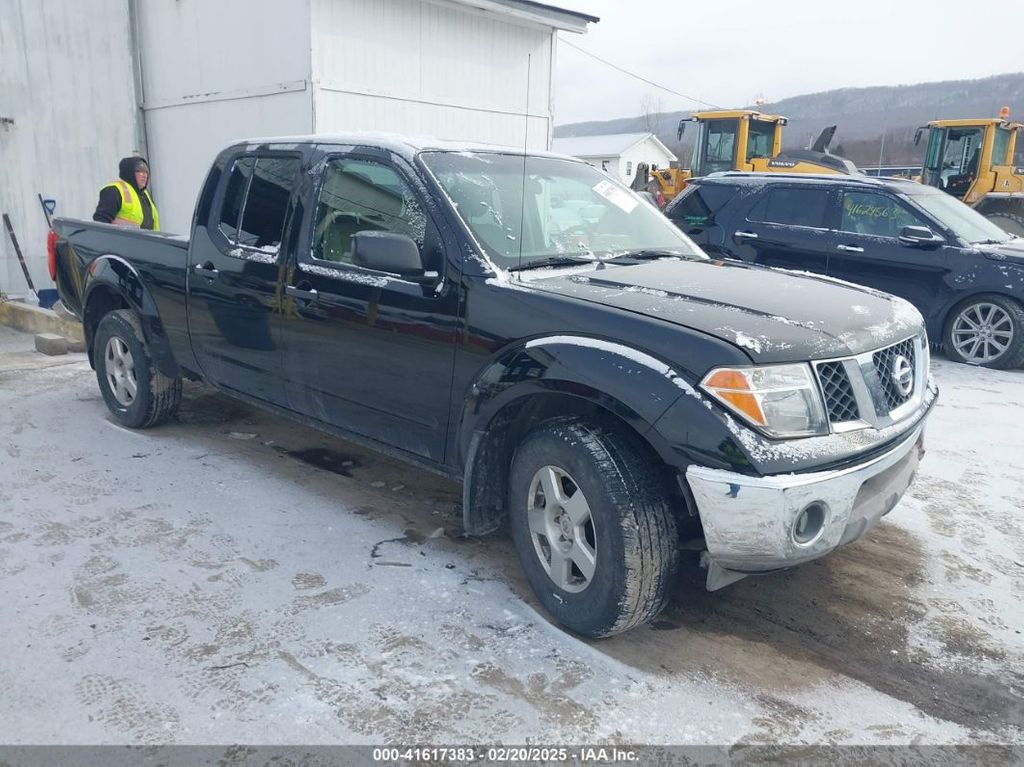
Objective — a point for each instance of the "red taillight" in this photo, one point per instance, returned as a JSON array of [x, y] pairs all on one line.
[[51, 254], [661, 200]]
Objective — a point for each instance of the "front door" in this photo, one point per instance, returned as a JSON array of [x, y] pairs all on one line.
[[367, 351], [866, 249], [237, 259]]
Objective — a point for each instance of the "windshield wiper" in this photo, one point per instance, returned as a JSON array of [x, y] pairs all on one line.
[[647, 254], [552, 261]]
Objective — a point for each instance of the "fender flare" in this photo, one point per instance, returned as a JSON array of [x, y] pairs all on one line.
[[112, 274], [632, 385]]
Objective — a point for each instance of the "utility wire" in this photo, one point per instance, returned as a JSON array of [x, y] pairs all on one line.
[[638, 77]]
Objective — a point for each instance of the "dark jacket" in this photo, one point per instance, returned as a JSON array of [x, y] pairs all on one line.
[[110, 197]]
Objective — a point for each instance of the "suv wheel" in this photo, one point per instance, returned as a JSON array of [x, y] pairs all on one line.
[[136, 392], [986, 330], [592, 526]]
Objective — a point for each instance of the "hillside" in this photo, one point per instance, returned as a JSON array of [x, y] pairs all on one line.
[[862, 114]]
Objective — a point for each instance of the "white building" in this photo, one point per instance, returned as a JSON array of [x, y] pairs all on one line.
[[617, 154], [84, 84]]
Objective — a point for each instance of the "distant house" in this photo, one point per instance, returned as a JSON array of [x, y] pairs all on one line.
[[616, 154]]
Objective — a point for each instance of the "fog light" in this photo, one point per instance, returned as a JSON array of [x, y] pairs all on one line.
[[809, 523]]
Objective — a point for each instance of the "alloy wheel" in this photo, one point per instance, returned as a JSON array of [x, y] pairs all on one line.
[[982, 333], [120, 369], [562, 529]]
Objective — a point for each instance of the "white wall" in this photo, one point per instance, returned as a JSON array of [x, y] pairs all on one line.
[[215, 71], [646, 151], [431, 69], [66, 80]]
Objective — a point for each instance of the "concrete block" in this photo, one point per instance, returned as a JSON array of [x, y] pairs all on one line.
[[76, 345], [32, 319], [51, 343], [62, 312]]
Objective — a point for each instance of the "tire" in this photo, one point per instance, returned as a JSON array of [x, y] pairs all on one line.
[[1012, 223], [623, 525], [136, 392], [986, 330]]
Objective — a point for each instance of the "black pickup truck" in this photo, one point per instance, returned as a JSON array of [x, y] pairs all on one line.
[[530, 328]]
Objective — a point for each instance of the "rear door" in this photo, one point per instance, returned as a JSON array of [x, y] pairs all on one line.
[[696, 213], [786, 226], [236, 264], [865, 248], [367, 351]]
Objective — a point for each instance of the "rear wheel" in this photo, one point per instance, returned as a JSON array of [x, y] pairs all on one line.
[[592, 525], [136, 392], [986, 330]]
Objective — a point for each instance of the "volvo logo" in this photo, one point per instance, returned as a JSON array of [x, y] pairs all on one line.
[[903, 375]]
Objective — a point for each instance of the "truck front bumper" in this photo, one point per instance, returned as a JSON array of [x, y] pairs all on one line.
[[759, 524]]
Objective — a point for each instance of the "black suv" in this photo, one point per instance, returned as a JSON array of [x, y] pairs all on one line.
[[962, 272]]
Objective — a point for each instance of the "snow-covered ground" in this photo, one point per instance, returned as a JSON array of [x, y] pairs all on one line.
[[235, 578]]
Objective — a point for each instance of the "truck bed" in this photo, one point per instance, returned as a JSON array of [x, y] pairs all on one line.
[[161, 254]]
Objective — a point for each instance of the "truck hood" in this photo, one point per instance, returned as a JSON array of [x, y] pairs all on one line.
[[772, 314]]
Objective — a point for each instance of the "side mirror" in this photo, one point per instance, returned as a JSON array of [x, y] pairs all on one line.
[[920, 237], [392, 253], [917, 136]]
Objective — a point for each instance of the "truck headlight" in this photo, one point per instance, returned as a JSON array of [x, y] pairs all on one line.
[[778, 400]]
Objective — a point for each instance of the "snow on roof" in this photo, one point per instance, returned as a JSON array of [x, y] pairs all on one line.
[[612, 145], [402, 145], [537, 12]]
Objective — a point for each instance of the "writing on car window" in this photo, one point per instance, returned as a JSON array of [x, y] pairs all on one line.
[[875, 214]]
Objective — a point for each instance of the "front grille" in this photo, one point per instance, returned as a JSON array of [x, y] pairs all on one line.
[[839, 399], [885, 366]]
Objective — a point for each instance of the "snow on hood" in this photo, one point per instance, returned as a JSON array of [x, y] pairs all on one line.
[[773, 315]]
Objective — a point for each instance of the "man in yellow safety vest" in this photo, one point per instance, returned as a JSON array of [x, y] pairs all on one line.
[[127, 202]]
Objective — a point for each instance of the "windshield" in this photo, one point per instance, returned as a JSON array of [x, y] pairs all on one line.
[[557, 208], [966, 223], [953, 156]]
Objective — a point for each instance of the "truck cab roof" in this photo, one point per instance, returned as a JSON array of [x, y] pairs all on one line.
[[404, 146]]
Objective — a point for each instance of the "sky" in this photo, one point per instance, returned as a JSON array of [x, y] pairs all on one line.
[[731, 52]]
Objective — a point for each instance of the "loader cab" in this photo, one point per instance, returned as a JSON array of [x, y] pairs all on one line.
[[961, 151], [731, 140]]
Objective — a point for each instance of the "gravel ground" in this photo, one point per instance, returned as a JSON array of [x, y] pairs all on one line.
[[232, 577]]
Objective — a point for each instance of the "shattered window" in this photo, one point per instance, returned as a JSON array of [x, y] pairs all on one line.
[[234, 198], [363, 196], [256, 202], [267, 203]]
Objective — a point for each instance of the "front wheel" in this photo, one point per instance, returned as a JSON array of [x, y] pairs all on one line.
[[591, 522], [136, 392], [986, 330]]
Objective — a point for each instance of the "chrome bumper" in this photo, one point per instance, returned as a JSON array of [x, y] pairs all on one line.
[[758, 524]]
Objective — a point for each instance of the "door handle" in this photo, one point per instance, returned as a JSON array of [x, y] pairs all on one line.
[[303, 295], [850, 248], [745, 235], [207, 270]]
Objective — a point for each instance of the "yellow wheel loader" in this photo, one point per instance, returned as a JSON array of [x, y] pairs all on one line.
[[973, 161], [746, 140]]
